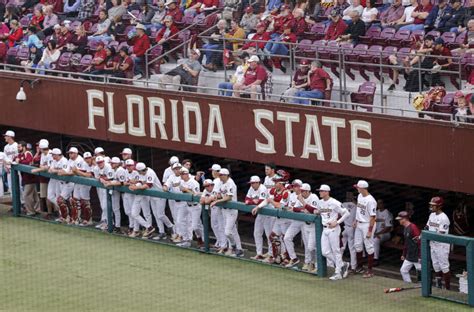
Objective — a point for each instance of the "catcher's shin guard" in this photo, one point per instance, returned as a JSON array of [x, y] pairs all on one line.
[[63, 210], [86, 211], [276, 243], [74, 209]]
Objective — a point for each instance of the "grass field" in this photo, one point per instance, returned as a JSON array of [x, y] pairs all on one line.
[[48, 267]]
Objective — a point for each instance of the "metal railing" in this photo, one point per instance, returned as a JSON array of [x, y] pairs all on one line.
[[278, 213]]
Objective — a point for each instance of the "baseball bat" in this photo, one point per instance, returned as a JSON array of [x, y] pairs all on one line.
[[398, 289]]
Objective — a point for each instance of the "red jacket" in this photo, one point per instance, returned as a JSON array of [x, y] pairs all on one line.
[[15, 36], [26, 159], [172, 31], [335, 30], [260, 45], [299, 27], [176, 14], [140, 45], [282, 21], [37, 21]]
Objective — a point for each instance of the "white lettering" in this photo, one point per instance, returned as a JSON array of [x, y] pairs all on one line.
[[174, 120], [157, 120], [94, 110], [194, 138], [312, 130], [215, 119], [334, 123], [113, 127], [269, 147], [288, 118], [360, 143], [132, 129]]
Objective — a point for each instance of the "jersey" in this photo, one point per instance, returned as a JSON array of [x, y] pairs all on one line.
[[168, 172], [74, 163], [173, 183], [438, 223], [228, 189], [46, 159], [352, 208], [84, 166], [268, 182], [207, 193], [383, 219], [131, 176], [259, 194], [282, 198], [61, 164], [106, 172], [310, 203], [330, 210], [193, 186], [366, 208], [120, 175], [294, 202], [11, 151], [217, 186], [151, 179]]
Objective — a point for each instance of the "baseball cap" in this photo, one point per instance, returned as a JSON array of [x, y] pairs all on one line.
[[87, 155], [324, 188], [253, 58], [458, 94], [285, 7], [129, 162], [99, 159], [73, 150], [98, 150], [439, 41], [361, 184], [297, 182], [173, 160], [43, 143], [437, 201], [57, 26], [176, 165], [140, 26], [215, 167], [254, 179], [140, 166], [306, 187], [401, 215], [127, 151], [249, 9], [56, 151], [304, 62], [224, 171], [9, 133], [170, 1], [184, 170], [208, 182], [115, 160]]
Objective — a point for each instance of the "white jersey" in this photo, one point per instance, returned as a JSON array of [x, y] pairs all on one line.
[[120, 174], [268, 182], [438, 223], [294, 202], [74, 163], [131, 176], [366, 208], [173, 183], [207, 193], [260, 194], [383, 219], [84, 166], [228, 189], [193, 186], [106, 172], [312, 200], [46, 160], [11, 151], [61, 164], [352, 208], [152, 180], [217, 187], [330, 210], [168, 172]]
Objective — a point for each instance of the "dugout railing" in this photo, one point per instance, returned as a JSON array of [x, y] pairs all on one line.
[[315, 219], [426, 274]]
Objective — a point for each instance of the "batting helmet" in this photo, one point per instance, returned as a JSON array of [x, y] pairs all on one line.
[[281, 176], [437, 201]]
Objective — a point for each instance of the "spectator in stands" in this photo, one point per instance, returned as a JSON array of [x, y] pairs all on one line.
[[125, 67], [340, 6], [462, 110], [86, 9], [420, 14], [299, 25], [78, 41], [112, 61], [237, 77], [33, 59], [438, 16], [37, 19], [28, 181], [319, 82], [102, 28], [370, 12], [98, 62], [166, 32], [355, 6], [279, 46], [213, 49], [442, 62], [173, 11], [56, 4], [236, 33], [455, 21], [468, 44], [336, 28], [273, 6], [258, 40], [141, 43], [185, 74], [390, 16], [412, 78], [71, 7], [32, 38], [147, 13], [4, 31], [16, 34], [11, 14], [355, 30], [407, 18], [299, 81], [249, 21], [64, 38], [383, 228], [50, 19], [56, 35], [50, 55], [281, 20], [28, 4], [116, 11], [159, 14], [254, 79], [469, 15]]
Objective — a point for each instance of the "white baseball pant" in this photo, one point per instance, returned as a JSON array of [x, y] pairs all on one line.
[[440, 256], [194, 212], [2, 190], [406, 267], [116, 207], [182, 220], [263, 224], [174, 209], [217, 225], [102, 195], [141, 204], [348, 241], [379, 241], [127, 200], [82, 192], [293, 230], [361, 240], [330, 247], [230, 227], [53, 192], [279, 228], [158, 206], [66, 189], [309, 240]]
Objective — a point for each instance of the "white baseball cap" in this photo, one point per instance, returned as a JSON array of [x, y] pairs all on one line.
[[10, 133], [184, 170], [43, 143], [208, 182], [173, 160], [98, 150], [324, 188], [254, 179], [215, 167], [57, 26], [129, 162], [253, 58], [115, 160], [306, 187], [87, 155], [297, 182], [99, 159], [73, 150], [224, 172], [127, 151], [176, 165], [56, 151], [140, 166], [140, 26], [361, 184]]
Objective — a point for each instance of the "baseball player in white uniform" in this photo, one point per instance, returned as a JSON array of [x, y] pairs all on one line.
[[296, 203], [191, 186], [364, 227], [309, 230], [269, 220], [102, 172], [3, 156], [119, 176], [60, 189], [11, 152], [166, 174], [329, 209], [126, 154], [180, 215], [81, 198], [207, 197], [131, 178], [348, 233], [67, 188], [228, 192], [256, 194], [439, 222], [217, 218], [45, 162], [383, 228]]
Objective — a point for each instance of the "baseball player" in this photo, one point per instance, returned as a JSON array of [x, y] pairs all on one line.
[[411, 250], [256, 194], [45, 162], [147, 180], [131, 178], [309, 232], [126, 154], [364, 227], [348, 233], [278, 198], [102, 172], [99, 151], [60, 189], [269, 220], [119, 176], [329, 209], [228, 192], [439, 222], [190, 185], [296, 204], [217, 218], [383, 228], [81, 198], [178, 208], [3, 156], [11, 152]]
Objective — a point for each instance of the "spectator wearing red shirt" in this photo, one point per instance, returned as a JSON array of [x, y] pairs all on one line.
[[420, 14], [279, 46], [141, 44], [441, 62], [284, 18], [336, 28], [208, 6], [28, 181], [64, 37], [173, 11], [125, 68], [254, 77], [319, 81], [258, 40], [299, 25], [100, 55], [16, 33], [167, 31], [37, 19], [299, 82]]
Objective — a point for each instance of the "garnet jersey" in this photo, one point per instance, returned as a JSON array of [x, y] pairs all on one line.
[[330, 210], [366, 208], [256, 196]]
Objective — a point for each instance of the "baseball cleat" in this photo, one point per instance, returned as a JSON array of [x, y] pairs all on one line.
[[174, 236], [312, 268], [60, 220], [269, 260], [99, 225], [336, 277], [239, 253], [258, 257], [305, 267], [148, 231], [292, 263], [345, 269], [438, 282], [134, 234], [368, 274], [229, 252], [177, 240], [185, 244], [359, 269], [222, 251]]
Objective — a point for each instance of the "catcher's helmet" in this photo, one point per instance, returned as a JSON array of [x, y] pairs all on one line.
[[281, 176]]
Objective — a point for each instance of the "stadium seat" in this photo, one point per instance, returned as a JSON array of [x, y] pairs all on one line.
[[436, 34], [317, 32], [443, 108], [353, 56], [305, 48], [460, 39], [25, 22], [23, 54], [3, 51], [448, 99], [64, 62], [113, 44], [86, 61], [92, 29], [374, 52], [75, 62], [371, 33], [448, 37], [74, 25], [364, 95], [154, 53], [11, 56], [417, 35], [385, 35], [400, 39]]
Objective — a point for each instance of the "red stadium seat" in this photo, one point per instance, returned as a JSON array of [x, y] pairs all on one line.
[[23, 54], [385, 35], [371, 33], [436, 34], [75, 62], [304, 48], [86, 61], [365, 95], [374, 51], [353, 56], [443, 108], [448, 37], [400, 39], [64, 62], [460, 39]]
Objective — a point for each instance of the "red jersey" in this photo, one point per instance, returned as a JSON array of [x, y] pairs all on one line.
[[176, 14], [64, 39], [443, 52], [260, 45], [252, 75], [129, 71], [279, 196], [335, 30], [299, 27], [300, 77], [140, 45], [37, 21], [317, 79], [281, 21]]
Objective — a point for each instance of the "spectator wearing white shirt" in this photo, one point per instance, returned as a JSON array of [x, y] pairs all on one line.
[[50, 55], [369, 14], [237, 77], [355, 6], [407, 18]]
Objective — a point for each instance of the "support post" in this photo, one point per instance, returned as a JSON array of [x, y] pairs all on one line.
[[15, 192], [205, 223], [110, 223], [322, 267], [425, 268]]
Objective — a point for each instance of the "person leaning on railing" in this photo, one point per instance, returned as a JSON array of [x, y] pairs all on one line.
[[254, 79], [98, 62], [168, 30], [213, 49], [125, 67]]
